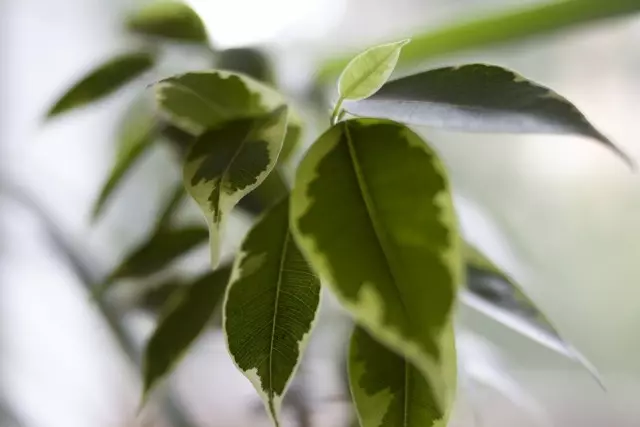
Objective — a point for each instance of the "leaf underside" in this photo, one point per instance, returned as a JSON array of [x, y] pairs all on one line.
[[270, 306], [478, 98]]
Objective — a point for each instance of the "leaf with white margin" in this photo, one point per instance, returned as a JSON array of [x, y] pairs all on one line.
[[229, 161], [270, 308], [479, 98], [388, 391], [368, 71], [371, 210]]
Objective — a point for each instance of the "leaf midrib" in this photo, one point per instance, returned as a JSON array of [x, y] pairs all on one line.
[[365, 76], [371, 211]]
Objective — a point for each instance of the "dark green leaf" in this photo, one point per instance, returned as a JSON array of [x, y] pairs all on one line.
[[247, 60], [168, 19], [137, 134], [267, 194], [103, 81], [389, 392], [171, 207], [228, 162], [371, 209], [270, 307], [478, 98], [509, 26], [156, 253], [184, 319]]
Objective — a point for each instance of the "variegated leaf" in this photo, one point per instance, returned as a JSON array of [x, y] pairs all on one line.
[[371, 209], [230, 160], [271, 304]]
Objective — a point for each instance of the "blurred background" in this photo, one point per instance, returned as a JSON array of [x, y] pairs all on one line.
[[560, 214]]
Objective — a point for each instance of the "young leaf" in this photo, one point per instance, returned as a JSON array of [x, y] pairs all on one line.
[[229, 161], [168, 19], [198, 101], [270, 307], [388, 391], [368, 71], [185, 317], [371, 209], [153, 255], [103, 81], [478, 98], [137, 134]]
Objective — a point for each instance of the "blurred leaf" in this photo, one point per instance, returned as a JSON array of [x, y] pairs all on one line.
[[267, 194], [103, 81], [247, 60], [512, 25], [368, 71], [361, 192], [168, 19], [270, 307], [292, 138], [228, 162], [478, 98], [184, 318], [389, 392], [171, 206], [137, 134], [156, 253], [495, 294], [157, 296], [198, 101]]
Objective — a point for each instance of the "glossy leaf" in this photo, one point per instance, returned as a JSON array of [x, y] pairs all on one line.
[[514, 24], [200, 100], [478, 98], [156, 253], [168, 19], [361, 193], [368, 71], [494, 294], [388, 391], [228, 162], [186, 316], [103, 81], [137, 134], [270, 307]]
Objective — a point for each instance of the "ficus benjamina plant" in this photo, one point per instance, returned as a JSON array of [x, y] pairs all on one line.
[[367, 215]]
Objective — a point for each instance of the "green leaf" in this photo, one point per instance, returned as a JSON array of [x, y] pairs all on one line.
[[156, 253], [137, 134], [171, 207], [168, 19], [509, 26], [267, 194], [478, 98], [185, 317], [247, 60], [103, 81], [228, 162], [270, 308], [371, 209], [198, 101], [368, 71], [389, 392], [494, 294]]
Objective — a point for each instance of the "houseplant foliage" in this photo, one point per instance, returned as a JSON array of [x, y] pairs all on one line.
[[369, 214]]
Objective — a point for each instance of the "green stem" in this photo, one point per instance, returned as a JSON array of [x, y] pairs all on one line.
[[337, 111]]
